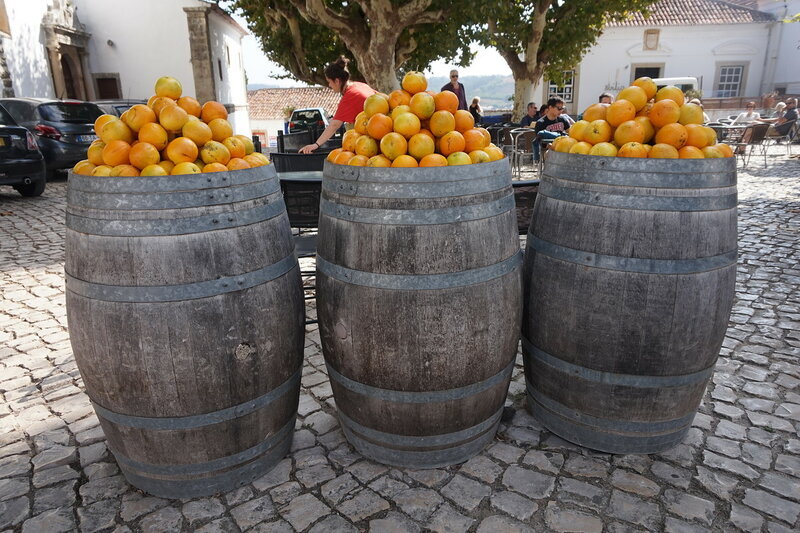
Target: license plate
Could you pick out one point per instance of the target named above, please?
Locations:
(87, 138)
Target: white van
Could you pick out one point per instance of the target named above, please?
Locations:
(685, 84)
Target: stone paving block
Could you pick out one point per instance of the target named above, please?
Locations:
(673, 525)
(727, 464)
(333, 524)
(54, 456)
(98, 516)
(730, 430)
(760, 436)
(496, 523)
(14, 448)
(366, 471)
(784, 486)
(393, 522)
(513, 504)
(14, 511)
(419, 504)
(728, 447)
(363, 505)
(226, 525)
(135, 505)
(201, 510)
(770, 422)
(564, 519)
(387, 486)
(278, 475)
(337, 490)
(310, 457)
(788, 465)
(314, 475)
(448, 520)
(689, 507)
(679, 477)
(745, 518)
(303, 511)
(528, 482)
(62, 495)
(253, 512)
(581, 493)
(772, 505)
(164, 520)
(102, 488)
(92, 453)
(637, 463)
(634, 483)
(465, 492)
(579, 465)
(717, 483)
(52, 521)
(432, 478)
(634, 510)
(505, 452)
(482, 468)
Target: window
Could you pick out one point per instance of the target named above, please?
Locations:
(219, 66)
(565, 91)
(729, 81)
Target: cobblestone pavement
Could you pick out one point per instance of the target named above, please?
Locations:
(738, 469)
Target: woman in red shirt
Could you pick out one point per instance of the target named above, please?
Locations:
(352, 103)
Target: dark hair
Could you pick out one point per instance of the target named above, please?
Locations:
(338, 70)
(554, 101)
(531, 104)
(604, 95)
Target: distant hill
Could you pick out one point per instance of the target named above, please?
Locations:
(496, 92)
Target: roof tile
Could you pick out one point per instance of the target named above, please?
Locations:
(268, 104)
(696, 12)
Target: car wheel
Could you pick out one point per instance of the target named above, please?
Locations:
(33, 189)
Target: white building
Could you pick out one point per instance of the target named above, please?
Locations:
(735, 48)
(111, 49)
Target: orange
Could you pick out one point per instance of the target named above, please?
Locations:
(343, 157)
(143, 154)
(221, 129)
(563, 143)
(673, 134)
(399, 97)
(169, 87)
(185, 168)
(376, 103)
(404, 160)
(158, 103)
(154, 134)
(620, 111)
(360, 125)
(379, 125)
(711, 135)
(215, 152)
(690, 152)
(442, 122)
(433, 160)
(212, 110)
(487, 136)
(664, 112)
(696, 136)
(182, 150)
(101, 170)
(249, 147)
(663, 151)
(399, 110)
(648, 85)
(420, 145)
(595, 112)
(235, 146)
(446, 101)
(495, 153)
(95, 152)
(366, 146)
(214, 167)
(479, 156)
(691, 114)
(116, 153)
(632, 149)
(598, 131)
(458, 158)
(166, 165)
(237, 163)
(726, 150)
(139, 115)
(629, 131)
(645, 111)
(190, 105)
(580, 147)
(406, 124)
(393, 145)
(101, 121)
(474, 140)
(450, 142)
(647, 127)
(198, 131)
(115, 130)
(670, 92)
(379, 160)
(124, 170)
(154, 170)
(428, 133)
(173, 118)
(332, 154)
(349, 140)
(712, 152)
(414, 82)
(84, 167)
(578, 130)
(464, 120)
(423, 105)
(358, 160)
(635, 95)
(604, 149)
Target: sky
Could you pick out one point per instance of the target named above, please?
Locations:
(261, 70)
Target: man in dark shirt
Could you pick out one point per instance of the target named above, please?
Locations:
(457, 87)
(530, 117)
(784, 124)
(551, 125)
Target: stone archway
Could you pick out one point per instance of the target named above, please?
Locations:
(67, 41)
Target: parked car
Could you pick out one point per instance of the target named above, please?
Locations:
(64, 129)
(305, 119)
(117, 107)
(21, 162)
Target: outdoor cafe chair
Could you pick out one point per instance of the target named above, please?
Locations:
(791, 136)
(522, 148)
(753, 140)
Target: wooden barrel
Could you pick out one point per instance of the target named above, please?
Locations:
(630, 268)
(185, 314)
(417, 273)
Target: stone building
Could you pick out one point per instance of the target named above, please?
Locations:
(111, 49)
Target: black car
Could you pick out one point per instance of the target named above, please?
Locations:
(21, 162)
(64, 129)
(117, 107)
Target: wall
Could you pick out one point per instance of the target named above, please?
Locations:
(226, 50)
(25, 50)
(784, 65)
(269, 127)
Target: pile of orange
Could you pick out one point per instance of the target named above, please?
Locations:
(644, 122)
(172, 134)
(412, 127)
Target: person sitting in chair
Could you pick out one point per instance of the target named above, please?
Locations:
(783, 125)
(553, 124)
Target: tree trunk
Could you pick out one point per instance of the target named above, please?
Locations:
(523, 93)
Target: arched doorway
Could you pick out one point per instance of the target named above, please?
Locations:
(69, 79)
